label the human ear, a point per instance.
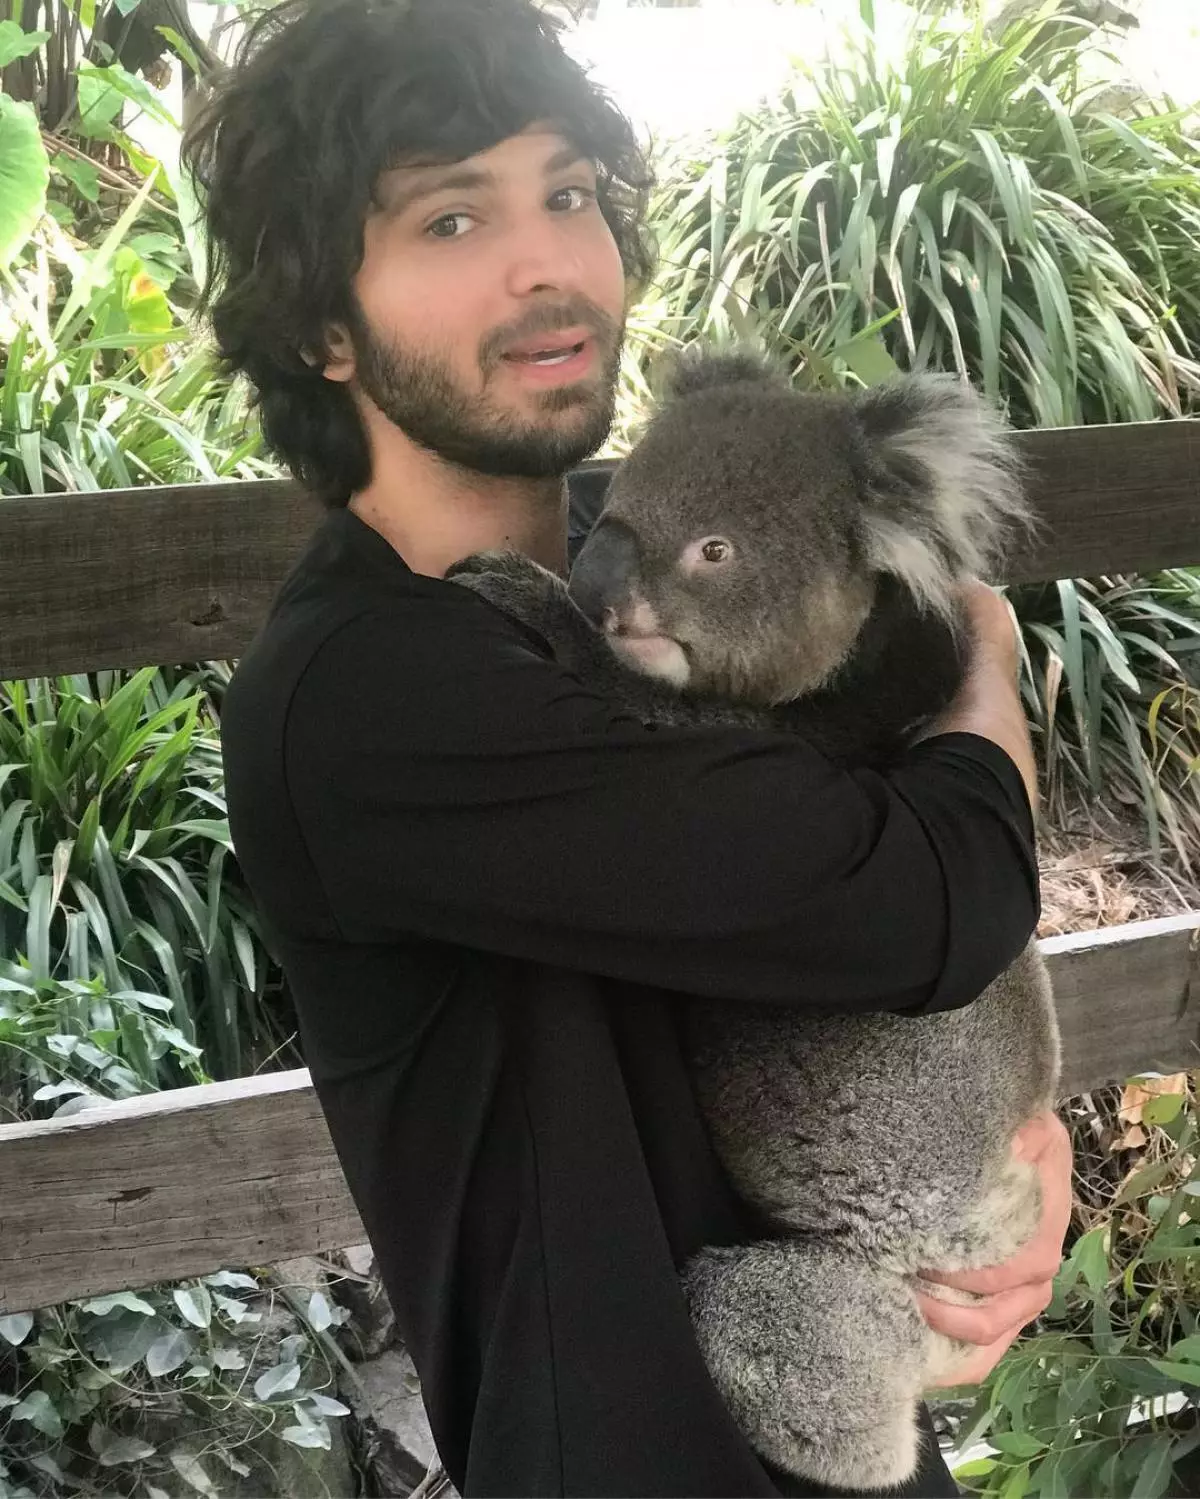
(338, 361)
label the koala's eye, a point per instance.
(716, 550)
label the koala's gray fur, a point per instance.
(876, 1145)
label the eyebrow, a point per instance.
(461, 178)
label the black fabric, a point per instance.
(491, 893)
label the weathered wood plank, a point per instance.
(1123, 498)
(182, 1183)
(1127, 999)
(143, 577)
(161, 576)
(168, 1185)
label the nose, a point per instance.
(543, 257)
(604, 572)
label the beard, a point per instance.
(418, 393)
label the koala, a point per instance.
(789, 559)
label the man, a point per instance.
(490, 891)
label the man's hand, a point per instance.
(1019, 1290)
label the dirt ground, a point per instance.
(1097, 870)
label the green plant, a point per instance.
(1106, 686)
(177, 1385)
(975, 191)
(76, 1042)
(115, 861)
(968, 202)
(1102, 1401)
(94, 391)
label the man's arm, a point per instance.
(454, 783)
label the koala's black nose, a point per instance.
(604, 570)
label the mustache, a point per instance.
(576, 312)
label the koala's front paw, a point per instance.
(506, 564)
(525, 591)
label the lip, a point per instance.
(574, 368)
(560, 338)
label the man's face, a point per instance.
(492, 297)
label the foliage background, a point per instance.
(977, 199)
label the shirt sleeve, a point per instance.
(453, 783)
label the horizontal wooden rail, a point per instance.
(166, 1186)
(170, 575)
(244, 1173)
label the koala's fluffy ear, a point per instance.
(703, 368)
(942, 488)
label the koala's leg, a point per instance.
(819, 1356)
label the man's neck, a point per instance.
(434, 513)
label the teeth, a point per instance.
(552, 358)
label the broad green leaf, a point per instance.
(100, 1306)
(316, 1435)
(169, 1352)
(24, 176)
(195, 1303)
(125, 1450)
(39, 1410)
(82, 175)
(15, 43)
(325, 1405)
(191, 1470)
(319, 1312)
(277, 1380)
(234, 1279)
(1162, 1108)
(16, 1327)
(99, 103)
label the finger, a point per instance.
(1033, 1265)
(976, 1368)
(990, 1320)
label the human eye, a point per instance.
(572, 199)
(449, 226)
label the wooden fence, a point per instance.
(182, 1183)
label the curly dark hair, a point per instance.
(286, 155)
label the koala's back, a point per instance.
(890, 1133)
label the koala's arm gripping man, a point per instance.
(511, 809)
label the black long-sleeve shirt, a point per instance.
(491, 893)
